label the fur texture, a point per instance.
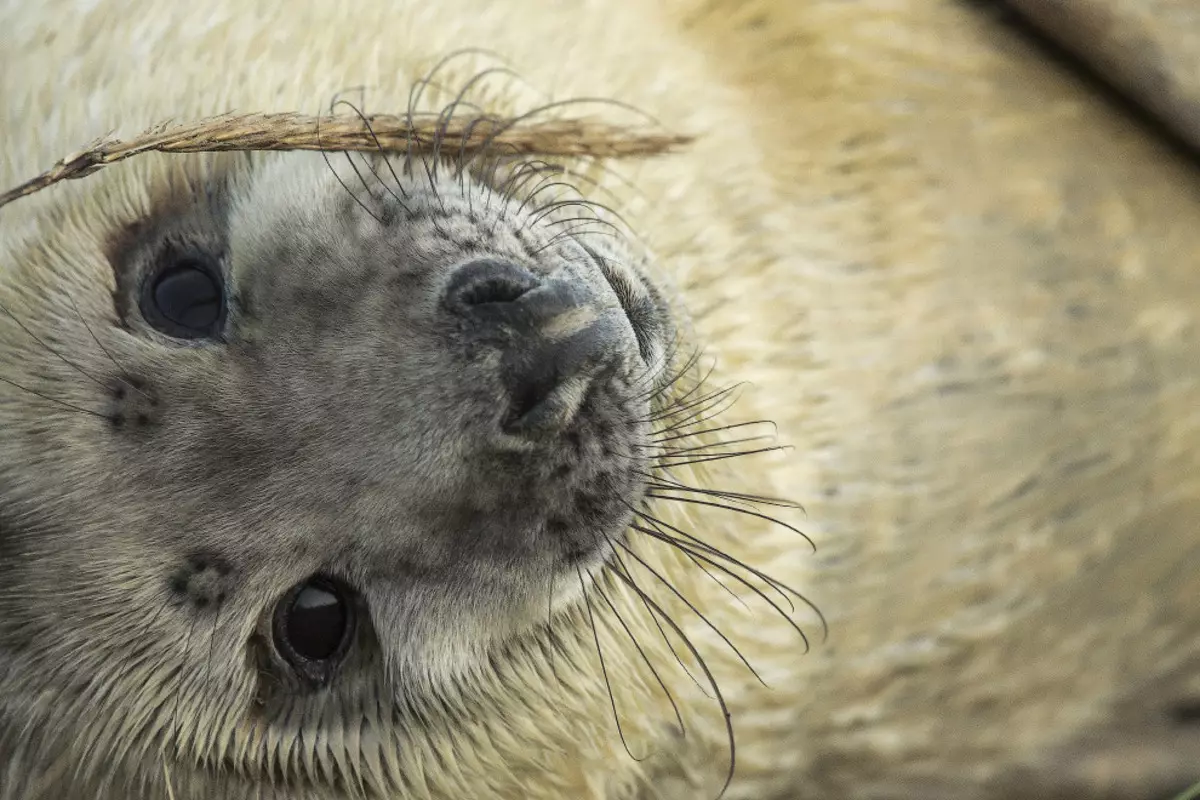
(979, 333)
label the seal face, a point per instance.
(454, 404)
(363, 434)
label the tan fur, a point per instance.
(973, 319)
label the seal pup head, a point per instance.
(329, 446)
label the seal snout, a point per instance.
(554, 338)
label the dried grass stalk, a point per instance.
(378, 132)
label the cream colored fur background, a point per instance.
(963, 288)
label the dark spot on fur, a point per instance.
(590, 505)
(133, 401)
(203, 581)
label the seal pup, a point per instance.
(385, 477)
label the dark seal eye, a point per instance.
(313, 627)
(185, 297)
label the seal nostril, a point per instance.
(486, 282)
(492, 291)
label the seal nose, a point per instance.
(483, 288)
(553, 338)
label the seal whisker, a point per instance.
(463, 166)
(700, 560)
(700, 416)
(580, 227)
(627, 229)
(603, 668)
(416, 91)
(704, 459)
(641, 652)
(592, 220)
(703, 568)
(547, 182)
(573, 234)
(654, 618)
(693, 398)
(361, 178)
(334, 172)
(491, 167)
(56, 401)
(447, 113)
(658, 386)
(656, 608)
(51, 350)
(371, 130)
(520, 166)
(517, 179)
(676, 402)
(704, 549)
(692, 606)
(700, 448)
(698, 544)
(737, 510)
(704, 407)
(527, 169)
(497, 161)
(333, 105)
(551, 106)
(706, 431)
(592, 205)
(659, 481)
(124, 374)
(366, 121)
(461, 174)
(654, 485)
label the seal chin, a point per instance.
(577, 570)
